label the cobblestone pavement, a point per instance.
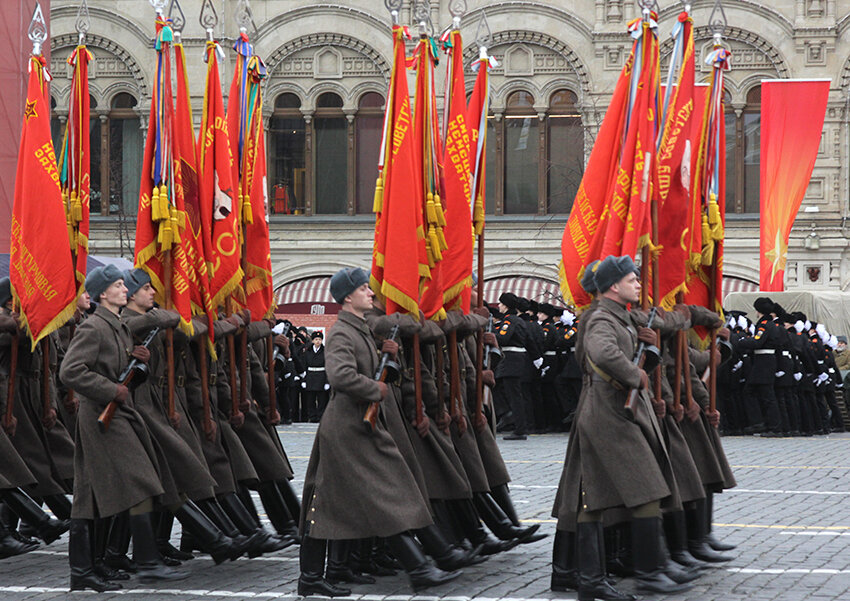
(788, 517)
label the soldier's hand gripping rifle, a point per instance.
(135, 370)
(647, 357)
(387, 370)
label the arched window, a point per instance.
(743, 155)
(565, 152)
(331, 181)
(521, 154)
(124, 147)
(287, 164)
(367, 131)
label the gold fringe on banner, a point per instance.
(378, 203)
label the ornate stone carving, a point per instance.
(355, 58)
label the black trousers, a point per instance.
(313, 403)
(510, 391)
(762, 407)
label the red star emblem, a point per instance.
(29, 111)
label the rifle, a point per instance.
(640, 360)
(9, 420)
(385, 371)
(133, 367)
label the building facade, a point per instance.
(329, 63)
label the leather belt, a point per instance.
(213, 379)
(599, 375)
(179, 381)
(513, 349)
(764, 351)
(315, 369)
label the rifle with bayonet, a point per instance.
(387, 370)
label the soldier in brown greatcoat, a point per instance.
(357, 484)
(116, 470)
(617, 460)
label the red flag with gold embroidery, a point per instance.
(43, 284)
(258, 284)
(75, 164)
(476, 119)
(457, 186)
(398, 257)
(218, 209)
(161, 219)
(790, 138)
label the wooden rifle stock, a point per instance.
(9, 418)
(639, 360)
(370, 419)
(455, 408)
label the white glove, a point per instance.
(833, 342)
(821, 330)
(567, 318)
(822, 378)
(303, 384)
(543, 371)
(738, 366)
(538, 362)
(752, 330)
(327, 386)
(780, 373)
(278, 329)
(742, 322)
(799, 326)
(807, 326)
(798, 376)
(731, 323)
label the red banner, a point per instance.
(218, 210)
(457, 188)
(75, 164)
(789, 145)
(476, 120)
(43, 282)
(398, 257)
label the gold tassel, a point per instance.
(430, 211)
(714, 219)
(378, 203)
(175, 226)
(76, 207)
(438, 206)
(706, 230)
(428, 252)
(435, 243)
(442, 239)
(155, 203)
(247, 215)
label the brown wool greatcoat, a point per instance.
(616, 461)
(357, 484)
(115, 470)
(189, 471)
(14, 473)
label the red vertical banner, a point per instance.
(75, 163)
(790, 138)
(43, 284)
(476, 120)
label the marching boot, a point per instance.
(312, 581)
(591, 566)
(216, 514)
(422, 574)
(361, 560)
(383, 556)
(709, 537)
(163, 538)
(117, 544)
(695, 518)
(293, 505)
(99, 528)
(10, 546)
(60, 505)
(276, 509)
(207, 535)
(261, 539)
(474, 531)
(338, 568)
(677, 541)
(502, 495)
(564, 562)
(47, 528)
(500, 524)
(248, 501)
(83, 575)
(145, 553)
(446, 522)
(617, 543)
(676, 573)
(446, 556)
(650, 576)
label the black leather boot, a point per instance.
(471, 523)
(648, 560)
(47, 529)
(10, 546)
(695, 517)
(361, 559)
(207, 535)
(276, 509)
(709, 537)
(164, 524)
(502, 495)
(563, 562)
(500, 524)
(422, 574)
(117, 544)
(99, 533)
(261, 540)
(60, 505)
(290, 498)
(312, 581)
(618, 550)
(591, 565)
(83, 575)
(447, 557)
(338, 568)
(145, 553)
(676, 573)
(677, 541)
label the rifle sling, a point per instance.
(605, 377)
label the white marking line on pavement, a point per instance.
(816, 533)
(790, 492)
(786, 571)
